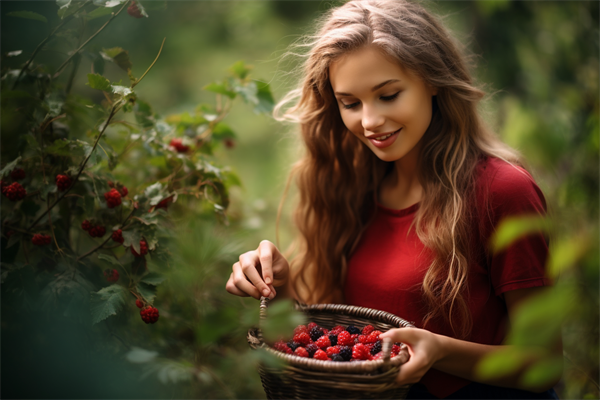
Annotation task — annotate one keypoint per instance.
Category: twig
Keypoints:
(51, 227)
(151, 65)
(66, 62)
(14, 228)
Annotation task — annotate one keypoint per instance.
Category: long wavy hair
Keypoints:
(338, 176)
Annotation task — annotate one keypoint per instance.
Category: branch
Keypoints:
(151, 65)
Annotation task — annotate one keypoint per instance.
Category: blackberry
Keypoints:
(351, 329)
(337, 357)
(293, 345)
(311, 348)
(346, 353)
(333, 339)
(376, 348)
(316, 333)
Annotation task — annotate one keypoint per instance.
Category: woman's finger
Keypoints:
(265, 255)
(249, 263)
(231, 288)
(241, 282)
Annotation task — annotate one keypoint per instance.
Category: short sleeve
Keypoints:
(511, 191)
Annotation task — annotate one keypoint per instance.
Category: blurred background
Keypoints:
(538, 62)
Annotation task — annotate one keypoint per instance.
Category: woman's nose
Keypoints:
(372, 118)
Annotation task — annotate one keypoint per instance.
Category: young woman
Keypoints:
(401, 188)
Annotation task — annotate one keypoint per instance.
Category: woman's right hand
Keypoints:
(259, 272)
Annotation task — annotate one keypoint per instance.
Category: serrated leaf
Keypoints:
(54, 103)
(220, 87)
(514, 228)
(248, 92)
(9, 167)
(106, 302)
(28, 15)
(119, 56)
(154, 190)
(143, 114)
(122, 90)
(148, 292)
(110, 259)
(138, 355)
(69, 292)
(131, 238)
(98, 12)
(266, 102)
(154, 278)
(97, 81)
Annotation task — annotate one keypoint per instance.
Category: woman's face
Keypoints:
(385, 106)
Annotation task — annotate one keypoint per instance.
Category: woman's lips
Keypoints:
(386, 142)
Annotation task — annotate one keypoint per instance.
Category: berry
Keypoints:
(111, 275)
(229, 143)
(323, 342)
(345, 339)
(360, 352)
(312, 325)
(149, 315)
(395, 350)
(367, 329)
(320, 355)
(143, 249)
(117, 236)
(86, 225)
(316, 333)
(346, 353)
(63, 182)
(354, 337)
(110, 184)
(301, 352)
(15, 192)
(303, 338)
(374, 336)
(164, 203)
(134, 11)
(333, 339)
(363, 339)
(352, 329)
(40, 240)
(293, 345)
(332, 350)
(281, 346)
(113, 198)
(177, 143)
(337, 357)
(139, 303)
(311, 348)
(97, 231)
(124, 192)
(17, 174)
(300, 328)
(376, 348)
(336, 330)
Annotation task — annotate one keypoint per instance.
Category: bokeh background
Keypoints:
(538, 61)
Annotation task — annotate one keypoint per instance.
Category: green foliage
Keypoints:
(281, 319)
(107, 301)
(28, 15)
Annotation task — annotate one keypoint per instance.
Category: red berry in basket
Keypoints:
(86, 225)
(311, 348)
(395, 350)
(337, 330)
(346, 352)
(323, 342)
(354, 337)
(312, 325)
(320, 355)
(376, 356)
(15, 192)
(134, 11)
(367, 329)
(40, 240)
(300, 328)
(113, 198)
(149, 315)
(333, 339)
(315, 333)
(293, 345)
(111, 276)
(117, 236)
(63, 182)
(17, 174)
(301, 352)
(282, 346)
(345, 339)
(143, 249)
(303, 338)
(332, 350)
(360, 352)
(376, 348)
(374, 336)
(139, 303)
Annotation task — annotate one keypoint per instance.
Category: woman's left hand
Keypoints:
(425, 350)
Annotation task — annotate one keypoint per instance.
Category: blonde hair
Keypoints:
(338, 199)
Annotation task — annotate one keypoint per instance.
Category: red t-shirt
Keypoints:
(387, 269)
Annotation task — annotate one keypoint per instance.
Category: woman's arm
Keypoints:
(458, 357)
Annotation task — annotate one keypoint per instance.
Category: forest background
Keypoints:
(540, 64)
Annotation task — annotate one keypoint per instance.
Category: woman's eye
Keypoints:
(389, 98)
(349, 106)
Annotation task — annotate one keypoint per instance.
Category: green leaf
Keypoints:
(514, 228)
(97, 81)
(153, 278)
(566, 253)
(248, 92)
(98, 12)
(502, 362)
(222, 131)
(122, 90)
(216, 324)
(281, 319)
(240, 70)
(108, 3)
(543, 372)
(70, 293)
(9, 167)
(67, 7)
(138, 355)
(54, 103)
(132, 238)
(63, 147)
(143, 114)
(110, 259)
(27, 15)
(265, 99)
(119, 56)
(220, 87)
(107, 301)
(148, 292)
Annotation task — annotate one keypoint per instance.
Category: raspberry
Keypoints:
(303, 338)
(363, 339)
(143, 249)
(124, 192)
(345, 339)
(229, 143)
(376, 348)
(395, 350)
(111, 275)
(301, 352)
(110, 184)
(97, 231)
(333, 339)
(281, 346)
(177, 143)
(346, 353)
(293, 345)
(336, 330)
(352, 329)
(360, 352)
(134, 11)
(311, 348)
(113, 198)
(332, 350)
(374, 336)
(300, 328)
(86, 225)
(354, 337)
(321, 355)
(63, 182)
(337, 357)
(139, 303)
(323, 342)
(367, 329)
(17, 174)
(40, 240)
(149, 315)
(15, 192)
(315, 333)
(117, 236)
(376, 356)
(312, 325)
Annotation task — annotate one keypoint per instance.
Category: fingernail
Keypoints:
(266, 292)
(268, 280)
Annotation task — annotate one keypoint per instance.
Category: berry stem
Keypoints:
(151, 65)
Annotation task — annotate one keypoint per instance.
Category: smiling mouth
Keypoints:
(382, 138)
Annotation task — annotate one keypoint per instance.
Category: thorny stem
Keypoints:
(39, 47)
(66, 62)
(151, 65)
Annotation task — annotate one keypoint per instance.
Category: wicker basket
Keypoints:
(307, 378)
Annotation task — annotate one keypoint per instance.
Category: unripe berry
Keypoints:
(113, 198)
(63, 182)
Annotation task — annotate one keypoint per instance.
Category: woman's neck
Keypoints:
(401, 188)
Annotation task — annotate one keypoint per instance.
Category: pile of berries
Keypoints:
(93, 230)
(337, 344)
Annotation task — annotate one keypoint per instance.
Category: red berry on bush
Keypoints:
(111, 275)
(97, 231)
(124, 192)
(139, 303)
(177, 143)
(110, 184)
(17, 174)
(86, 225)
(40, 240)
(15, 192)
(134, 11)
(63, 182)
(113, 198)
(229, 143)
(164, 203)
(117, 236)
(149, 315)
(143, 249)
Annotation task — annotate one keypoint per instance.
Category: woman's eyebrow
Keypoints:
(374, 88)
